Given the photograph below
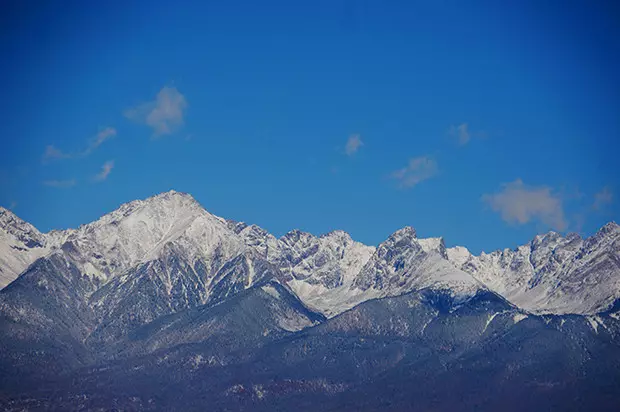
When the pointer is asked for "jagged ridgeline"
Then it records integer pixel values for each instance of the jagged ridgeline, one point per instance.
(161, 305)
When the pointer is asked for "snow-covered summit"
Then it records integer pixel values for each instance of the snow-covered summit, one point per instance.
(138, 231)
(163, 206)
(20, 245)
(552, 273)
(23, 231)
(404, 262)
(404, 234)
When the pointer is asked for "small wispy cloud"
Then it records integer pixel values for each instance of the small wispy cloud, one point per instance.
(12, 205)
(53, 153)
(63, 184)
(164, 115)
(417, 170)
(518, 203)
(354, 142)
(603, 198)
(463, 134)
(106, 169)
(98, 140)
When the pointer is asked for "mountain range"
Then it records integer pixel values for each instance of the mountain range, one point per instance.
(160, 305)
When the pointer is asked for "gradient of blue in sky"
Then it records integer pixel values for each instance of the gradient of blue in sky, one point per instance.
(483, 122)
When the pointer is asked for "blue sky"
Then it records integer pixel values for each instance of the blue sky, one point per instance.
(482, 122)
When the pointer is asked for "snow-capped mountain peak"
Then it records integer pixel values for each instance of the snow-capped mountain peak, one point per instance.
(330, 259)
(609, 227)
(553, 273)
(20, 245)
(23, 231)
(139, 230)
(337, 235)
(169, 205)
(606, 234)
(403, 263)
(404, 234)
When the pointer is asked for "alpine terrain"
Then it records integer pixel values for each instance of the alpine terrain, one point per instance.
(160, 305)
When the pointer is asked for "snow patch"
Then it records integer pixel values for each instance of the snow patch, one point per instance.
(428, 322)
(489, 320)
(271, 291)
(518, 317)
(595, 322)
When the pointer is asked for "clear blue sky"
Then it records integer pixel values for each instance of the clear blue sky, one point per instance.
(479, 121)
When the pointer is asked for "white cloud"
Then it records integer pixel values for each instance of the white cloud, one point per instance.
(353, 144)
(164, 114)
(518, 203)
(60, 183)
(461, 132)
(13, 205)
(603, 198)
(417, 170)
(106, 169)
